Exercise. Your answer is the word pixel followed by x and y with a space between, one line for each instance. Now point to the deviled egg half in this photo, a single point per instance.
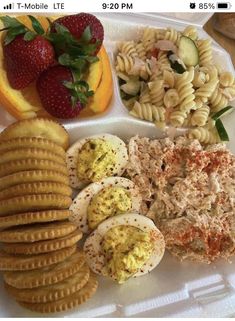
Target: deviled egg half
pixel 92 158
pixel 124 246
pixel 100 200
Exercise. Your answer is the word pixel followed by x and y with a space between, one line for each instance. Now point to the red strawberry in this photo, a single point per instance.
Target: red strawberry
pixel 56 89
pixel 25 60
pixel 77 23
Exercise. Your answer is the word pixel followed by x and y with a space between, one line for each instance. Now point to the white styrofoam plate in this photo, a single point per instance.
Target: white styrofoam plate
pixel 173 289
pixel 196 18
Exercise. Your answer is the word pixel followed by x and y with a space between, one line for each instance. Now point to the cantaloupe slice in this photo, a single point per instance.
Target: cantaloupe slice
pixel 100 101
pixel 95 73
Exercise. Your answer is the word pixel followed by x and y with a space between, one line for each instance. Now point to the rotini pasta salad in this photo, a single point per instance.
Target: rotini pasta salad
pixel 169 77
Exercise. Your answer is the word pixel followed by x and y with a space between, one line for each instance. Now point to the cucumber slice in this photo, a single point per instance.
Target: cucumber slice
pixel 188 51
pixel 221 131
pixel 222 112
pixel 175 62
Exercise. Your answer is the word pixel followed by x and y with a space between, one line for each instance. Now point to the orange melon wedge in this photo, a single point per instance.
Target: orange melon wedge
pixel 100 101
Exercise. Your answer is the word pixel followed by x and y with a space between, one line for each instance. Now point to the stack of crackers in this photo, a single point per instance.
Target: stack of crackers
pixel 43 269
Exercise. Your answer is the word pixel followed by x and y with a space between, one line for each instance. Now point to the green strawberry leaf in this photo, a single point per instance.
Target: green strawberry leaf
pixel 86 36
pixel 76 64
pixel 15 28
pixel 82 98
pixel 62 30
pixel 10 22
pixel 74 101
pixel 13 32
pixel 90 93
pixel 36 25
pixel 79 91
pixel 30 35
pixel 68 84
pixel 91 59
pixel 64 59
pixel 64 41
pixel 82 84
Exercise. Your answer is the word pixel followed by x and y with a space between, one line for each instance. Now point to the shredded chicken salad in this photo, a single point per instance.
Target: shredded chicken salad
pixel 189 192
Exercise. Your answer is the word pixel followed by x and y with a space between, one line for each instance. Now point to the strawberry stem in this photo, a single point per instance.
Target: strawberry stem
pixel 79 91
pixel 15 28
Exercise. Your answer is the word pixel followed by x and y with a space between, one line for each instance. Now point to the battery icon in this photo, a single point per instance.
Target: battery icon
pixel 223 5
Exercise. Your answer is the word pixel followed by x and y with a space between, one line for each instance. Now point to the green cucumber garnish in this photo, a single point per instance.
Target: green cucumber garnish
pixel 221 112
pixel 175 64
pixel 221 131
pixel 188 51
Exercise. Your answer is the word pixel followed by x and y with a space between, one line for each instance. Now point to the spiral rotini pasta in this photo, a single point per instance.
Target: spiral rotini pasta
pixel 172 35
pixel 148 112
pixel 226 79
pixel 191 32
pixel 148 38
pixel 157 92
pixel 140 49
pixel 177 118
pixel 218 100
pixel 206 90
pixel 200 116
pixel 229 92
pixel 204 135
pixel 187 121
pixel 205 52
pixel 185 90
pixel 129 103
pixel 165 94
pixel 124 63
pixel 145 96
pixel 156 74
pixel 171 98
pixel 159 34
pixel 128 48
pixel 168 78
pixel 162 58
pixel 198 103
pixel 199 79
pixel 145 71
pixel 123 76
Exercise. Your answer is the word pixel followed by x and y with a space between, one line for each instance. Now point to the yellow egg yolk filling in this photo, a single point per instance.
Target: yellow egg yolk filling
pixel 96 160
pixel 108 202
pixel 126 249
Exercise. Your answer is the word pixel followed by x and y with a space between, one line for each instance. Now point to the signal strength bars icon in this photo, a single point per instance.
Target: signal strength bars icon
pixel 9 6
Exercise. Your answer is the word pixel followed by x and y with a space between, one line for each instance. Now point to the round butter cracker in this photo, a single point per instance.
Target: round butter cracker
pixel 48 275
pixel 37 127
pixel 25 153
pixel 52 292
pixel 43 246
pixel 30 262
pixel 69 302
pixel 16 166
pixel 33 217
pixel 35 188
pixel 32 142
pixel 37 232
pixel 32 176
pixel 35 202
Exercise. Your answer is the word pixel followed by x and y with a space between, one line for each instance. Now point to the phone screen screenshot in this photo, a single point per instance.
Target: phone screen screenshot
pixel 117 165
